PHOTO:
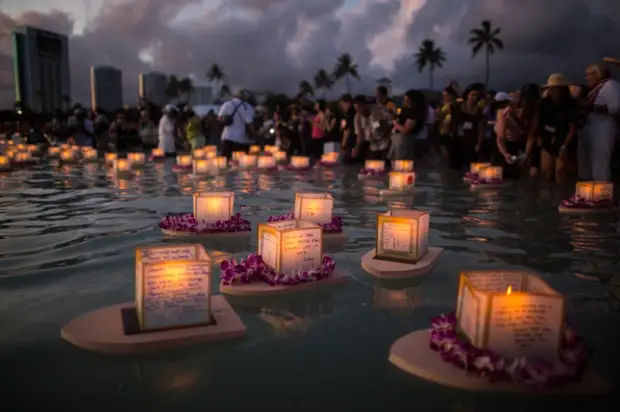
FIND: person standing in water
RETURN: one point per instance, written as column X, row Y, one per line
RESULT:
column 168, row 130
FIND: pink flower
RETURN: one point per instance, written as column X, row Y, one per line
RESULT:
column 188, row 223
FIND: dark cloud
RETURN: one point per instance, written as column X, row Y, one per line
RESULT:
column 273, row 44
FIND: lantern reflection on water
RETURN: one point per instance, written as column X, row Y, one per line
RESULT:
column 122, row 166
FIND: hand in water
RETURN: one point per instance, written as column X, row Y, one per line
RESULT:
column 509, row 158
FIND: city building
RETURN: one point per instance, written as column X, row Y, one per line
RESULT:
column 41, row 69
column 201, row 94
column 152, row 87
column 106, row 88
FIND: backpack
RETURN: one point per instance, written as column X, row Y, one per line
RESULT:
column 229, row 119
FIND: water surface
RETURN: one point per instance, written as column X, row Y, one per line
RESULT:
column 67, row 236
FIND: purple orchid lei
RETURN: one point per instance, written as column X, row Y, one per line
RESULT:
column 179, row 167
column 372, row 172
column 328, row 164
column 471, row 176
column 578, row 202
column 454, row 349
column 297, row 169
column 253, row 269
column 187, row 223
column 478, row 181
column 335, row 226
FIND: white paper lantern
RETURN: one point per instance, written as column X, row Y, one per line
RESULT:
column 475, row 167
column 595, row 191
column 376, row 165
column 300, row 162
column 402, row 180
column 213, row 206
column 290, row 245
column 314, row 207
column 248, row 161
column 402, row 235
column 201, row 166
column 184, row 160
column 491, row 173
column 266, row 162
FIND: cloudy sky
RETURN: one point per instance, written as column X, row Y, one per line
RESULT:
column 274, row 44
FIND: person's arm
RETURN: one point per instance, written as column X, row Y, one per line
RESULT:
column 405, row 128
column 532, row 137
column 346, row 133
column 482, row 128
column 572, row 131
column 225, row 110
column 610, row 98
column 500, row 130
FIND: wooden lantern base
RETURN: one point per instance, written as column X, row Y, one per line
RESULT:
column 485, row 186
column 261, row 288
column 384, row 269
column 392, row 192
column 102, row 331
column 216, row 235
column 412, row 354
column 587, row 211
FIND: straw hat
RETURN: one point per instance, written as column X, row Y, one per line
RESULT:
column 611, row 60
column 557, row 80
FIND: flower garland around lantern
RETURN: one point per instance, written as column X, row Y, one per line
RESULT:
column 334, row 226
column 187, row 223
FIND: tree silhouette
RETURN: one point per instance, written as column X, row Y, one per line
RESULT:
column 429, row 56
column 216, row 76
column 225, row 91
column 345, row 68
column 186, row 87
column 323, row 81
column 486, row 37
column 305, row 89
column 173, row 87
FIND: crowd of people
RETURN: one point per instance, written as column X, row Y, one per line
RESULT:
column 552, row 132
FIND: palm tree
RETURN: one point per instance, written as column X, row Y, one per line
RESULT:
column 323, row 81
column 431, row 56
column 345, row 68
column 185, row 87
column 216, row 75
column 225, row 91
column 486, row 37
column 305, row 89
column 172, row 89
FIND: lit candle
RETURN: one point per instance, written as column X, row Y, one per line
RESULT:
column 221, row 162
column 376, row 165
column 90, row 155
column 402, row 235
column 137, row 159
column 269, row 149
column 254, row 149
column 182, row 276
column 211, row 155
column 402, row 165
column 595, row 191
column 266, row 162
column 314, row 207
column 32, row 148
column 201, row 166
column 210, row 148
column 331, row 157
column 300, row 162
column 474, row 168
column 21, row 147
column 10, row 153
column 248, row 161
column 290, row 245
column 184, row 160
column 67, row 155
column 491, row 173
column 122, row 165
column 22, row 157
column 401, row 180
column 65, row 146
column 236, row 156
column 280, row 156
column 199, row 153
column 155, row 153
column 110, row 158
column 513, row 313
column 53, row 151
column 4, row 162
column 213, row 206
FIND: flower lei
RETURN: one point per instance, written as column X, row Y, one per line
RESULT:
column 188, row 223
column 471, row 175
column 574, row 357
column 335, row 226
column 253, row 268
column 299, row 169
column 371, row 172
column 578, row 202
column 179, row 167
column 479, row 181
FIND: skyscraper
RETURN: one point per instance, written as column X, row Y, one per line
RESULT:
column 106, row 88
column 41, row 69
column 152, row 86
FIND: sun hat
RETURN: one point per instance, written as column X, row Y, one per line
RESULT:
column 557, row 80
column 611, row 60
column 502, row 97
column 169, row 108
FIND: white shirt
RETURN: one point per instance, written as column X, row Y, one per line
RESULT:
column 604, row 125
column 244, row 115
column 166, row 134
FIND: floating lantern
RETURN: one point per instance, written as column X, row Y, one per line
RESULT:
column 22, row 157
column 402, row 165
column 68, row 155
column 474, row 168
column 53, row 151
column 402, row 235
column 220, row 162
column 290, row 245
column 266, row 162
column 110, row 158
column 10, row 153
column 210, row 148
column 279, row 156
column 213, row 206
column 211, row 155
column 21, row 147
column 173, row 287
column 314, row 207
column 201, row 166
column 400, row 181
column 157, row 153
column 375, row 165
column 5, row 162
column 90, row 155
column 137, row 159
column 65, row 146
column 271, row 149
column 254, row 149
column 595, row 191
column 513, row 313
column 236, row 156
column 300, row 162
column 331, row 157
column 32, row 148
column 122, row 166
column 491, row 173
column 248, row 161
column 184, row 161
column 2, row 142
column 199, row 153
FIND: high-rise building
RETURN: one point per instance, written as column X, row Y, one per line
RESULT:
column 152, row 86
column 106, row 88
column 41, row 69
column 201, row 94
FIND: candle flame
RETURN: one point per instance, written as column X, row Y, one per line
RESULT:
column 509, row 290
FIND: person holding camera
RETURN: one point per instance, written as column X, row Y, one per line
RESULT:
column 237, row 117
